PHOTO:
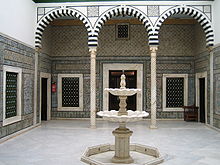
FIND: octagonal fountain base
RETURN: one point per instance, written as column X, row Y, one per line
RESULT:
column 141, row 154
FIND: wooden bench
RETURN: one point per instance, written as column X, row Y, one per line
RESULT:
column 190, row 113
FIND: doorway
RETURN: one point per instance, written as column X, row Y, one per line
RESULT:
column 202, row 99
column 114, row 82
column 140, row 100
column 44, row 98
column 201, row 96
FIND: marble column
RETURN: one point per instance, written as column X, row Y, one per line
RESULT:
column 153, row 50
column 211, row 84
column 37, row 51
column 93, row 87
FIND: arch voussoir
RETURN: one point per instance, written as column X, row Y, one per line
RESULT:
column 54, row 14
column 122, row 10
column 202, row 19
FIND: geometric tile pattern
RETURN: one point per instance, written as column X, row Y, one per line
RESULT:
column 11, row 94
column 69, row 41
column 207, row 9
column 15, row 53
column 152, row 11
column 217, row 94
column 174, row 92
column 70, row 92
column 122, row 31
column 92, row 11
column 174, row 67
column 179, row 46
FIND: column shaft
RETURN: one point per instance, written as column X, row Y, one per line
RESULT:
column 93, row 88
column 211, row 87
column 153, row 87
column 35, row 86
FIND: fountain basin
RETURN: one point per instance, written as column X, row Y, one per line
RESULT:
column 122, row 92
column 131, row 117
column 102, row 154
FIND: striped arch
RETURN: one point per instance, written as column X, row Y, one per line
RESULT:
column 125, row 10
column 190, row 11
column 54, row 14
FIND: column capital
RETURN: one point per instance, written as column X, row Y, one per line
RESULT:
column 93, row 51
column 37, row 49
column 210, row 48
column 153, row 49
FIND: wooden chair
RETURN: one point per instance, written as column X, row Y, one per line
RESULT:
column 190, row 113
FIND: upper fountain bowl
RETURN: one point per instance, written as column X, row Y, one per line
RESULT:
column 122, row 92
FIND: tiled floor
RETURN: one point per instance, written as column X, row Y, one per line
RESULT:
column 62, row 142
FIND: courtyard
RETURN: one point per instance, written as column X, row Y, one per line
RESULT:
column 62, row 142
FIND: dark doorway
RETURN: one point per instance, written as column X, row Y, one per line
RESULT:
column 44, row 99
column 202, row 99
column 114, row 82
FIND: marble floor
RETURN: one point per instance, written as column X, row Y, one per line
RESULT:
column 62, row 142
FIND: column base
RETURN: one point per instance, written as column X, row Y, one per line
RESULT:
column 153, row 127
column 93, row 126
column 124, row 160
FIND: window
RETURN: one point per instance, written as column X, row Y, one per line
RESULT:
column 122, row 31
column 11, row 94
column 70, row 92
column 175, row 91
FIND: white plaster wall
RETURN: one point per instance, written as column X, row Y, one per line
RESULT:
column 18, row 19
column 216, row 19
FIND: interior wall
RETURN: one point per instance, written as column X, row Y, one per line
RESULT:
column 202, row 60
column 67, row 48
column 216, row 120
column 68, row 51
column 16, row 54
column 18, row 20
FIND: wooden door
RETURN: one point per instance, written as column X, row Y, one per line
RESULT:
column 202, row 99
column 44, row 99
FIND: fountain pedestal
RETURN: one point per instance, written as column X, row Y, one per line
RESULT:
column 122, row 145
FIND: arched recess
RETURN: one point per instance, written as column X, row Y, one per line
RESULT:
column 190, row 11
column 57, row 13
column 120, row 10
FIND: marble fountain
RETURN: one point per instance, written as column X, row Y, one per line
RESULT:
column 122, row 152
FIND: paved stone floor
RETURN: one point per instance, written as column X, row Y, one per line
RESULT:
column 62, row 142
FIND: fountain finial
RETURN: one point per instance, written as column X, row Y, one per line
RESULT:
column 123, row 83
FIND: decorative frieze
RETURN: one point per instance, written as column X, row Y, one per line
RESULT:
column 16, row 57
column 217, row 94
column 172, row 67
column 71, row 67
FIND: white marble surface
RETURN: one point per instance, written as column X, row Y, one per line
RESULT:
column 138, row 157
column 62, row 142
column 122, row 92
column 131, row 117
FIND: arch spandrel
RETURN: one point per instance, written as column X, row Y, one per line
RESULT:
column 57, row 13
column 202, row 19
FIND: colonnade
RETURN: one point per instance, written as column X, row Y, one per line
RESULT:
column 153, row 54
column 93, row 51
